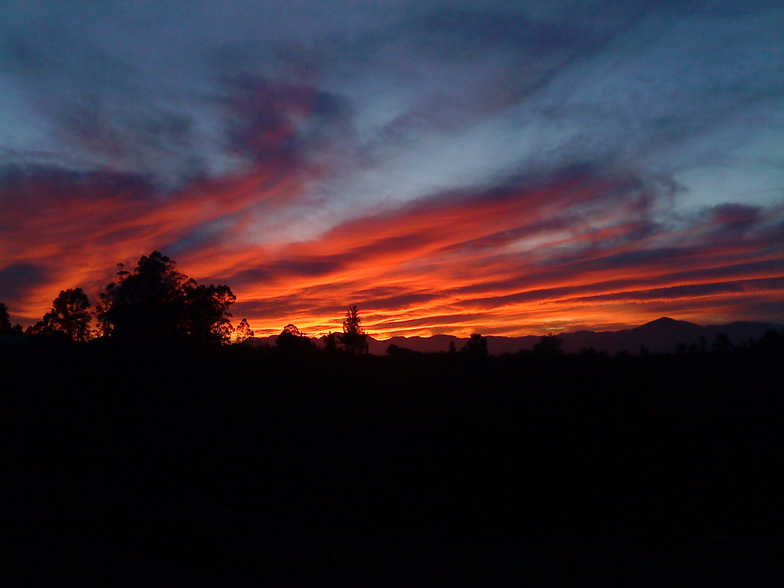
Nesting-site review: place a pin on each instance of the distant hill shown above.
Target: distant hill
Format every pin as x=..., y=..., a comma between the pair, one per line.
x=659, y=336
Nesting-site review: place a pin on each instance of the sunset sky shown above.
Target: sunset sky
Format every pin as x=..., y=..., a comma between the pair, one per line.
x=510, y=168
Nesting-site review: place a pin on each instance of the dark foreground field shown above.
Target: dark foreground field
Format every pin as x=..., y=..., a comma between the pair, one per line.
x=237, y=466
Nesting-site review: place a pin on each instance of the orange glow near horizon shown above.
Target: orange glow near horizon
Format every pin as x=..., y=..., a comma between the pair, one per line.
x=576, y=254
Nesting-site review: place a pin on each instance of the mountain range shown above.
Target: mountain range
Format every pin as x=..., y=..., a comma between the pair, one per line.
x=659, y=336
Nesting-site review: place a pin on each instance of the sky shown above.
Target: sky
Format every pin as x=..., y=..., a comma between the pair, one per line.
x=508, y=168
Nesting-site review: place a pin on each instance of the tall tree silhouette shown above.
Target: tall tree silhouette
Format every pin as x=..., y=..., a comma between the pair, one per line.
x=354, y=338
x=70, y=316
x=243, y=332
x=5, y=320
x=721, y=343
x=156, y=301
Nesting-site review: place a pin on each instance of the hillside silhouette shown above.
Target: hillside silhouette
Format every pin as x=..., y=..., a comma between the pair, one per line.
x=660, y=336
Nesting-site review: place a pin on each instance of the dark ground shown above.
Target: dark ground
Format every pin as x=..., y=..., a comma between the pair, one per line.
x=237, y=466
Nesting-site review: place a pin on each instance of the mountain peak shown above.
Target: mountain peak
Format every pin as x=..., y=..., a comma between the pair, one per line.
x=667, y=323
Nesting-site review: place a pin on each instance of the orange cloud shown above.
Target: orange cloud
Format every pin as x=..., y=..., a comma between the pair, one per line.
x=509, y=263
x=77, y=227
x=575, y=252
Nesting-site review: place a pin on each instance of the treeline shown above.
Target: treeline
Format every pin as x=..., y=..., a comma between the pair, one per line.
x=153, y=301
x=156, y=303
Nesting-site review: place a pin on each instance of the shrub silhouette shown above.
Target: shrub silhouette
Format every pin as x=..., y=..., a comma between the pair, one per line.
x=292, y=340
x=476, y=346
x=548, y=346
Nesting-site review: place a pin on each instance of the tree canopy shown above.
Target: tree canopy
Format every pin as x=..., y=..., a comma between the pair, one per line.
x=292, y=340
x=243, y=332
x=476, y=346
x=70, y=317
x=549, y=346
x=156, y=301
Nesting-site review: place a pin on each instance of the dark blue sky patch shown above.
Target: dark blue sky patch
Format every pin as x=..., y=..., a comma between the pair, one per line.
x=16, y=280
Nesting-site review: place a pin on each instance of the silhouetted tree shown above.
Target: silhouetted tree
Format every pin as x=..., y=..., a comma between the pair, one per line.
x=771, y=344
x=291, y=330
x=331, y=342
x=291, y=339
x=70, y=317
x=146, y=303
x=590, y=353
x=399, y=352
x=548, y=346
x=206, y=316
x=156, y=301
x=5, y=320
x=354, y=338
x=721, y=343
x=243, y=332
x=476, y=346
